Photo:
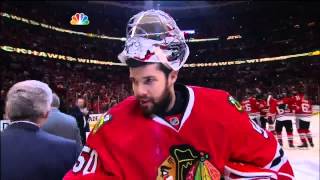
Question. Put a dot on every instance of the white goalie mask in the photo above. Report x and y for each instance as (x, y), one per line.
(153, 36)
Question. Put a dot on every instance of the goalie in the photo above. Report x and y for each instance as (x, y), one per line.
(172, 131)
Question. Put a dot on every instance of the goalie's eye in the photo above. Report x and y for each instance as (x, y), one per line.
(149, 80)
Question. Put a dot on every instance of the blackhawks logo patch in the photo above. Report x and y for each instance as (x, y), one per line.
(103, 119)
(185, 162)
(235, 103)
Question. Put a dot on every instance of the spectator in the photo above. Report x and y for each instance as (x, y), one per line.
(61, 124)
(27, 152)
(81, 113)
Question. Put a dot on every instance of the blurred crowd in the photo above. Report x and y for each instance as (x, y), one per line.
(41, 39)
(103, 86)
(280, 33)
(100, 87)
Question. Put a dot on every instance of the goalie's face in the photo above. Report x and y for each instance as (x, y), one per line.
(151, 87)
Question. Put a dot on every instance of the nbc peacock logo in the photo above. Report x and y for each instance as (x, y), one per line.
(79, 19)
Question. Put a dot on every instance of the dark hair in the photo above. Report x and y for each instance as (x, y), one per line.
(132, 63)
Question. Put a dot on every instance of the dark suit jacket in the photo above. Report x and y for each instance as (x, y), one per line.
(29, 153)
(63, 125)
(82, 121)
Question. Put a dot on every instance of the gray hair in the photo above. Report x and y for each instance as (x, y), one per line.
(55, 101)
(28, 100)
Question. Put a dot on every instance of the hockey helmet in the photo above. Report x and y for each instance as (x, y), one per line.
(153, 36)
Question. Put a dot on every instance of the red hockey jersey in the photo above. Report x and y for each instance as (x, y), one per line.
(290, 105)
(282, 107)
(215, 138)
(263, 107)
(272, 104)
(298, 97)
(303, 107)
(251, 106)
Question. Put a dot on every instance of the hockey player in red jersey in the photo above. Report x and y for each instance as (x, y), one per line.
(303, 117)
(264, 109)
(173, 131)
(251, 106)
(271, 113)
(283, 109)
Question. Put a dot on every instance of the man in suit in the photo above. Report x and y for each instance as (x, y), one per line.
(27, 152)
(81, 113)
(61, 124)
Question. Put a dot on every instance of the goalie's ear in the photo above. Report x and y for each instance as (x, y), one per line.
(173, 76)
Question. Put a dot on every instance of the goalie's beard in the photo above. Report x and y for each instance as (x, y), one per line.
(160, 107)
